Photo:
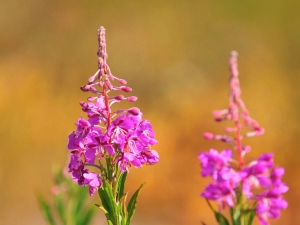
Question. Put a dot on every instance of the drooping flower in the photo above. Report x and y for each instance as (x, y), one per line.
(93, 180)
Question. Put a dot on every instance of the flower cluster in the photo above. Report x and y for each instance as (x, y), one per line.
(260, 181)
(120, 137)
(255, 186)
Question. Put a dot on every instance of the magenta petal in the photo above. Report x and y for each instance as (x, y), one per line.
(90, 155)
(109, 149)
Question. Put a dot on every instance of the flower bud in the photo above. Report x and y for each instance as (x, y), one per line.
(229, 129)
(83, 104)
(92, 89)
(85, 88)
(90, 99)
(134, 111)
(218, 119)
(259, 131)
(119, 97)
(126, 89)
(93, 78)
(122, 81)
(132, 98)
(208, 136)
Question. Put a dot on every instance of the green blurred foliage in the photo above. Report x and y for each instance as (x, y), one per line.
(71, 205)
(174, 55)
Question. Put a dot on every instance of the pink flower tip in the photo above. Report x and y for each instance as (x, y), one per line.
(132, 98)
(134, 111)
(126, 89)
(259, 131)
(122, 81)
(92, 89)
(217, 113)
(119, 97)
(83, 104)
(85, 88)
(90, 99)
(208, 136)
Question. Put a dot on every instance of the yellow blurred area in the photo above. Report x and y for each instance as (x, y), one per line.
(174, 54)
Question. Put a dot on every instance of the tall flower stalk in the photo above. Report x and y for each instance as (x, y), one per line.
(247, 187)
(109, 141)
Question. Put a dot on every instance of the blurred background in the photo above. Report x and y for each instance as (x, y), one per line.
(174, 54)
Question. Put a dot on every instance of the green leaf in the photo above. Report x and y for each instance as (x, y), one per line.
(46, 210)
(132, 204)
(251, 217)
(123, 209)
(235, 215)
(121, 184)
(221, 219)
(108, 202)
(81, 196)
(61, 208)
(86, 217)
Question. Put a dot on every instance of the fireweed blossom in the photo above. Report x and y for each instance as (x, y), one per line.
(249, 188)
(110, 141)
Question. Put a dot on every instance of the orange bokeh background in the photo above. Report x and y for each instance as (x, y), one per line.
(174, 54)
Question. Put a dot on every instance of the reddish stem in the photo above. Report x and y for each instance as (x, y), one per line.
(106, 105)
(239, 143)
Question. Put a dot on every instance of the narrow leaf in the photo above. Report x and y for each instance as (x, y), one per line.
(123, 209)
(121, 184)
(235, 215)
(221, 219)
(81, 196)
(251, 217)
(108, 202)
(132, 204)
(60, 207)
(46, 210)
(86, 217)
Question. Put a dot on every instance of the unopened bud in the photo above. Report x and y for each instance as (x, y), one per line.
(83, 104)
(208, 136)
(254, 123)
(246, 148)
(229, 129)
(134, 111)
(259, 131)
(85, 88)
(224, 139)
(94, 77)
(126, 89)
(119, 97)
(122, 81)
(132, 98)
(217, 113)
(91, 80)
(93, 89)
(90, 99)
